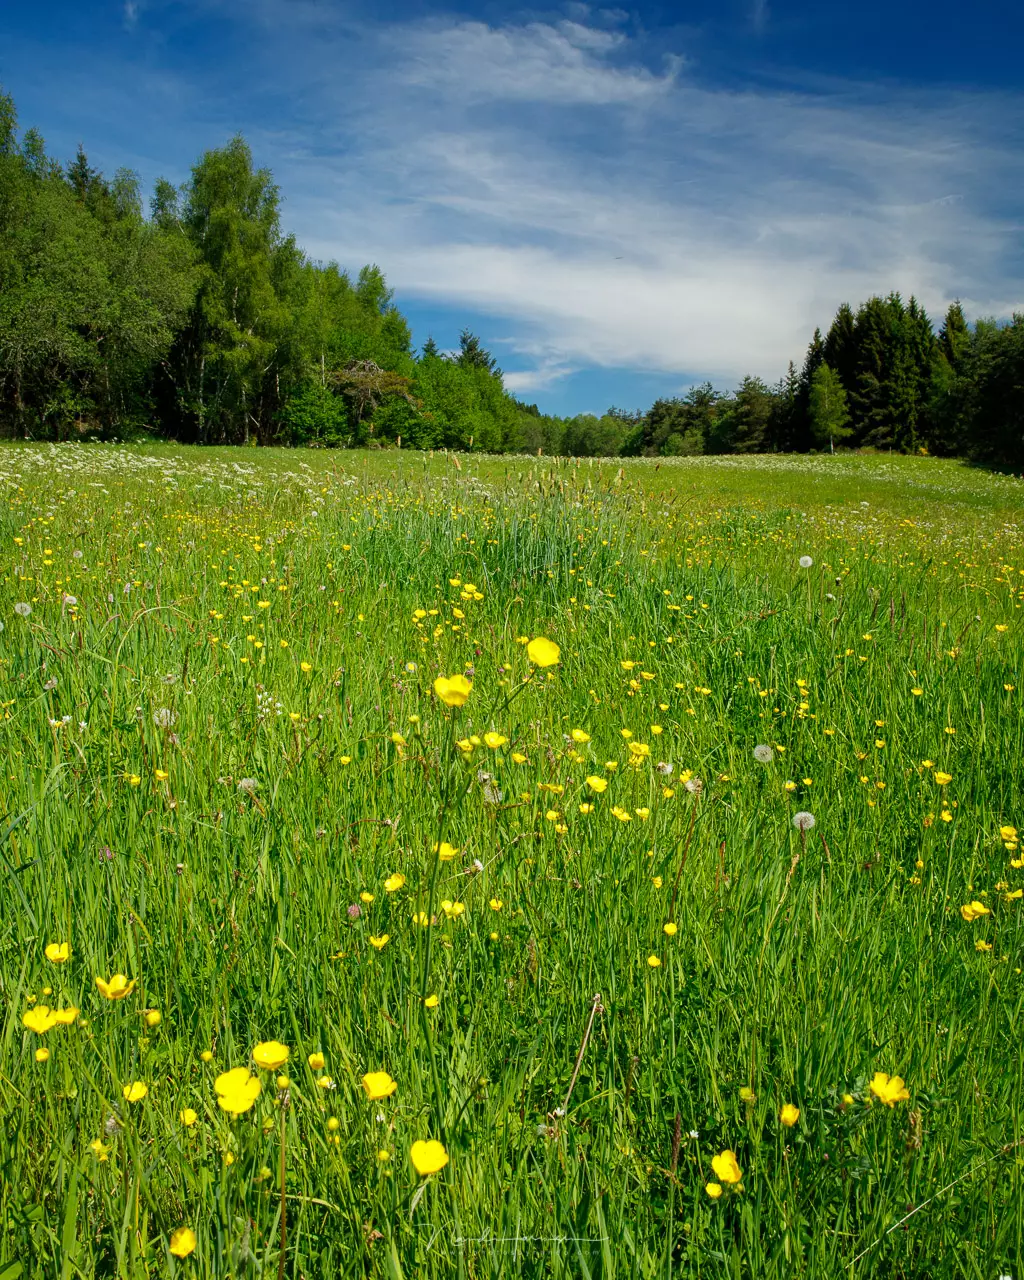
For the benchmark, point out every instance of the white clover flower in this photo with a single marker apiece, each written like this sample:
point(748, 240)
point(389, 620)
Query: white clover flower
point(806, 562)
point(803, 821)
point(22, 609)
point(763, 753)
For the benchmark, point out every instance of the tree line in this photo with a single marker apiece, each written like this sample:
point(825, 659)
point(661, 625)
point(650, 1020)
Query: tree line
point(201, 320)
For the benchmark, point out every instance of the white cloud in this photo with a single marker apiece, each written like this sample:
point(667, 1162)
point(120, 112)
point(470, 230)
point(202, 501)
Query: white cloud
point(565, 62)
point(655, 222)
point(602, 202)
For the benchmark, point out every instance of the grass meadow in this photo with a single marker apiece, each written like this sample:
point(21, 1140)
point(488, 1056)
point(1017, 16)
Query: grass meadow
point(676, 932)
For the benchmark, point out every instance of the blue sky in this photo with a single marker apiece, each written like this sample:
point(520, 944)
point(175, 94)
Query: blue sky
point(621, 202)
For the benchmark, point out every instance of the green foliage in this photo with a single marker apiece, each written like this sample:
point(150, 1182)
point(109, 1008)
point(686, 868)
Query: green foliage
point(209, 784)
point(829, 416)
point(207, 323)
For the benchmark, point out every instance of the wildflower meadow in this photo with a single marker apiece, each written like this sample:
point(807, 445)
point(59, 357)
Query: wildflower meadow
point(421, 866)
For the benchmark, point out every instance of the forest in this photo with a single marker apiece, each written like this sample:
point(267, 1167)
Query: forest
point(199, 320)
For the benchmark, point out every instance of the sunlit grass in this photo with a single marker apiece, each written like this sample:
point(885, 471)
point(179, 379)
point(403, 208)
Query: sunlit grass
point(228, 778)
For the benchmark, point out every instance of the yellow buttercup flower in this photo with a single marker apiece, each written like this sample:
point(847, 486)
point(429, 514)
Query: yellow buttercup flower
point(654, 962)
point(117, 988)
point(543, 652)
point(188, 1117)
point(446, 851)
point(597, 784)
point(394, 882)
point(453, 691)
point(725, 1167)
point(942, 778)
point(270, 1054)
point(183, 1242)
point(428, 1157)
point(316, 1061)
point(135, 1091)
point(40, 1019)
point(789, 1115)
point(714, 1189)
point(58, 952)
point(972, 911)
point(378, 1084)
point(495, 740)
point(237, 1090)
point(890, 1089)
point(580, 736)
point(379, 942)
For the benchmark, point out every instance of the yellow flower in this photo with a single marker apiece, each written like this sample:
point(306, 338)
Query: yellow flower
point(714, 1189)
point(428, 1157)
point(270, 1054)
point(453, 909)
point(117, 988)
point(586, 808)
point(580, 735)
point(431, 1002)
point(183, 1242)
point(380, 941)
point(671, 929)
point(543, 652)
point(135, 1091)
point(496, 904)
point(206, 1055)
point(378, 1084)
point(188, 1117)
point(597, 784)
point(621, 813)
point(445, 851)
point(495, 740)
point(394, 882)
point(237, 1090)
point(161, 775)
point(58, 952)
point(747, 1094)
point(982, 945)
point(972, 911)
point(153, 1017)
point(453, 691)
point(725, 1167)
point(365, 897)
point(942, 778)
point(889, 1089)
point(518, 757)
point(99, 1150)
point(42, 1055)
point(916, 691)
point(1005, 833)
point(40, 1019)
point(789, 1115)
point(654, 962)
point(316, 1061)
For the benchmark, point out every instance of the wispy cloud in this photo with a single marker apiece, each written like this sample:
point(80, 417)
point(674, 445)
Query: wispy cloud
point(604, 202)
point(624, 216)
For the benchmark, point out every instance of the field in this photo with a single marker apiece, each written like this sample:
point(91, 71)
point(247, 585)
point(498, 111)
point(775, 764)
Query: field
point(684, 914)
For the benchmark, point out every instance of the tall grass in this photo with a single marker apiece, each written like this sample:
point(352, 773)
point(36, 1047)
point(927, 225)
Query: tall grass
point(219, 732)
